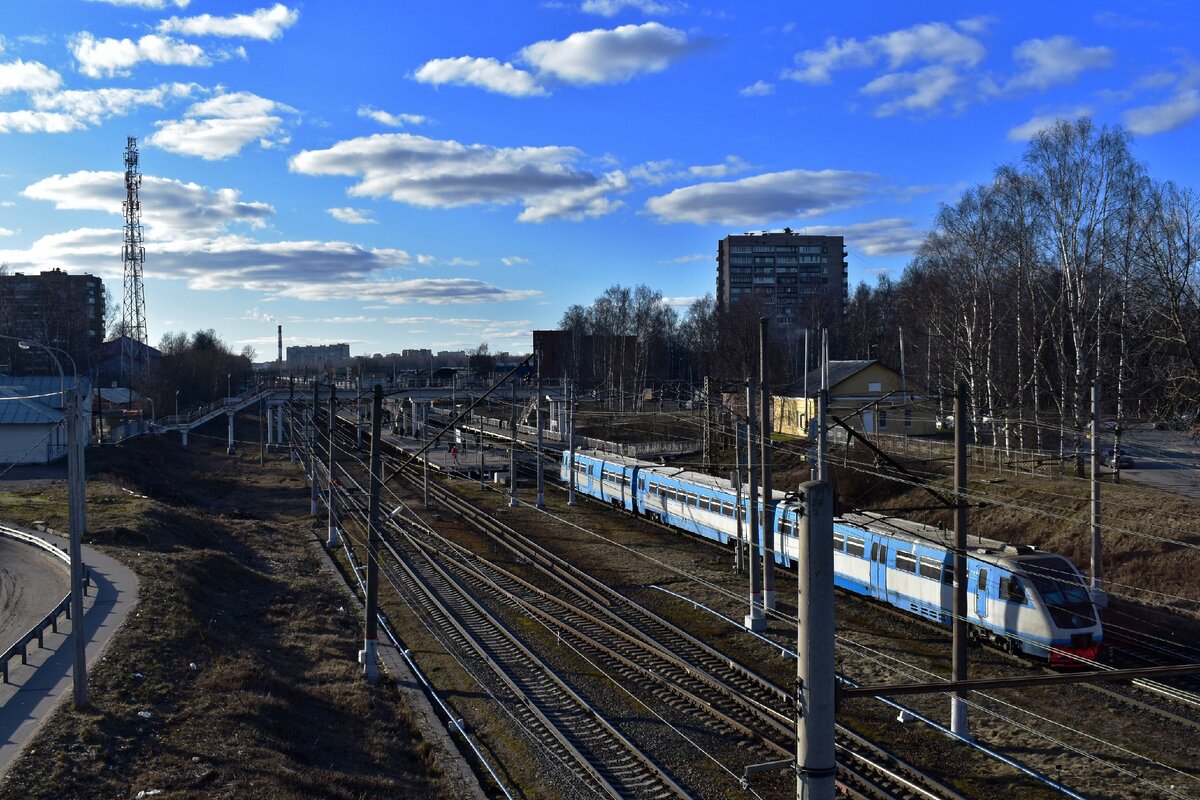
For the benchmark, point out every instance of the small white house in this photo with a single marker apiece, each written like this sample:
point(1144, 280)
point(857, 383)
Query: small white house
point(33, 427)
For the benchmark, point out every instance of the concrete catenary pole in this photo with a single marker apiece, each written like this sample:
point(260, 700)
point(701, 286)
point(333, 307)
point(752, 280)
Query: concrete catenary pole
point(823, 412)
point(768, 510)
point(76, 525)
point(311, 431)
point(571, 449)
point(815, 761)
point(512, 449)
point(754, 620)
point(425, 458)
point(958, 701)
point(1097, 571)
point(332, 540)
point(541, 493)
point(371, 636)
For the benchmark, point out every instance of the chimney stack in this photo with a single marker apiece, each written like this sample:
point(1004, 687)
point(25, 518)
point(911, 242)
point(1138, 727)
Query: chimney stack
point(279, 358)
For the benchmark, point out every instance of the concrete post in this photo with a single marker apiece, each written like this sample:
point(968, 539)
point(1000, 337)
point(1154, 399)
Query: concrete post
point(571, 446)
point(184, 433)
point(754, 620)
point(370, 638)
point(816, 767)
point(958, 665)
point(311, 430)
point(332, 540)
point(512, 449)
point(768, 511)
point(541, 494)
point(230, 450)
point(77, 524)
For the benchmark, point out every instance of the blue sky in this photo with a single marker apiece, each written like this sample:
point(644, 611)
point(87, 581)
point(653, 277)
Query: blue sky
point(412, 174)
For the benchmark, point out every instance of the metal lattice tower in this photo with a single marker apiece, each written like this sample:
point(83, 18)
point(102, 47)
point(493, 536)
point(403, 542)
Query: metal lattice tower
point(133, 308)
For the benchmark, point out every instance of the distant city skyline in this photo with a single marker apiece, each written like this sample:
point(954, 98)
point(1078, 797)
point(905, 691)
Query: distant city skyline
point(407, 176)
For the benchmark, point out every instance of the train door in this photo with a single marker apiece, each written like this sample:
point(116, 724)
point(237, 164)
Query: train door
point(981, 598)
point(879, 570)
point(634, 494)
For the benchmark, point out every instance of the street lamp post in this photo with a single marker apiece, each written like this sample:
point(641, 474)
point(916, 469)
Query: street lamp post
point(228, 385)
point(177, 405)
point(76, 511)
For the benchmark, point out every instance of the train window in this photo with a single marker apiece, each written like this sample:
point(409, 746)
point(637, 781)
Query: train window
point(839, 541)
point(855, 546)
point(1012, 590)
point(703, 504)
point(641, 484)
point(930, 568)
point(875, 551)
point(906, 561)
point(727, 508)
point(948, 574)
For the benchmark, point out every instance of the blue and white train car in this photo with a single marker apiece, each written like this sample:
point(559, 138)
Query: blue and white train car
point(604, 476)
point(1021, 598)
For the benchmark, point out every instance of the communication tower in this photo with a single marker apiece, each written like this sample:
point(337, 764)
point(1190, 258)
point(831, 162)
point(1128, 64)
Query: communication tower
point(133, 308)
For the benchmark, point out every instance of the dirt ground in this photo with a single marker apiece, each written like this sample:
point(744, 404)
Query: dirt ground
point(236, 675)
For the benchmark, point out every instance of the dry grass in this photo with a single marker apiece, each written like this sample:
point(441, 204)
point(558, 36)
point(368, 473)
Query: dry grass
point(239, 648)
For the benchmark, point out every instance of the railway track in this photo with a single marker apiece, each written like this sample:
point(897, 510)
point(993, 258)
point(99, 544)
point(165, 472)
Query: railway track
point(844, 755)
point(645, 650)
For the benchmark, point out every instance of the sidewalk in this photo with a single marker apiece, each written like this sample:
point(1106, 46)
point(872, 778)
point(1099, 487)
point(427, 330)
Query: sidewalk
point(36, 690)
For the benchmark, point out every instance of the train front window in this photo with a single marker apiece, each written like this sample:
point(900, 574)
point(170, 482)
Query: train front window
point(1062, 590)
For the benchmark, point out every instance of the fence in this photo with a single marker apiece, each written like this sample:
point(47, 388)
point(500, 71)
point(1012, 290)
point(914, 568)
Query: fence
point(1000, 459)
point(37, 632)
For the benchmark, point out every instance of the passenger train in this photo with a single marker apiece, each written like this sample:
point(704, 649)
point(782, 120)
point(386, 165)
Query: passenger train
point(1020, 598)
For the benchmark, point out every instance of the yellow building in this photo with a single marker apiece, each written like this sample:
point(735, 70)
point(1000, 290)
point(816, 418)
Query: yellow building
point(869, 396)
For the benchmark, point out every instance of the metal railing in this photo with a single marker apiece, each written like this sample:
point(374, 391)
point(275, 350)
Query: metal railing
point(38, 631)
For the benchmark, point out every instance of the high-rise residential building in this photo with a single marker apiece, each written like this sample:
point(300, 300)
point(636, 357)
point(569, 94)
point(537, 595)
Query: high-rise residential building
point(797, 280)
point(54, 308)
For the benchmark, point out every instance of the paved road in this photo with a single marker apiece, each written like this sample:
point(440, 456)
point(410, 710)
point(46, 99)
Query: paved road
point(32, 582)
point(1163, 459)
point(35, 690)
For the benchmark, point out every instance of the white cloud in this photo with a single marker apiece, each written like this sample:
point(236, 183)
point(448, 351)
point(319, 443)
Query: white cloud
point(462, 262)
point(352, 216)
point(221, 126)
point(757, 89)
point(7, 232)
point(610, 8)
point(583, 58)
point(1059, 59)
point(976, 25)
point(512, 261)
point(26, 121)
point(267, 24)
point(446, 174)
point(944, 52)
point(1035, 125)
point(146, 3)
point(731, 166)
point(931, 42)
point(482, 73)
point(27, 76)
point(100, 57)
point(169, 207)
point(609, 56)
point(882, 237)
point(688, 259)
point(760, 199)
point(1159, 118)
point(391, 120)
point(922, 90)
point(95, 105)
